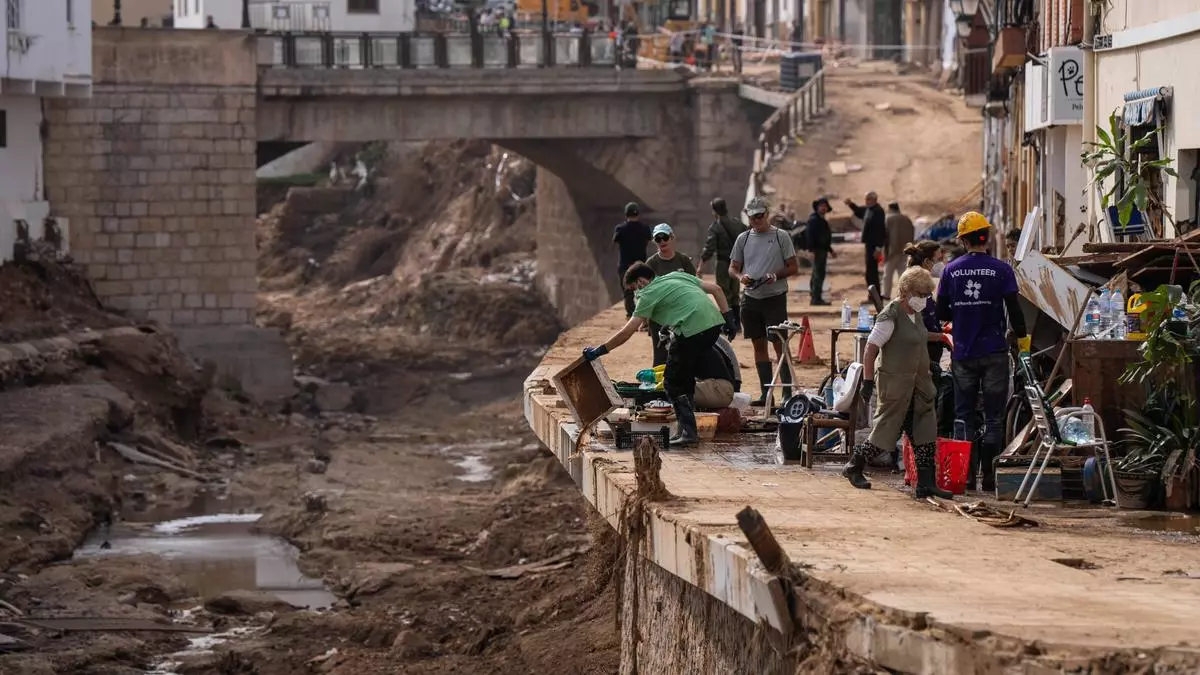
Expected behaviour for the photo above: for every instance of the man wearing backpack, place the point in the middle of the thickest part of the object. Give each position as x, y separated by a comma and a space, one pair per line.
722, 232
762, 259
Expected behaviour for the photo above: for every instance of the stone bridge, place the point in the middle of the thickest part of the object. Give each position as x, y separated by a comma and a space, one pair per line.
155, 173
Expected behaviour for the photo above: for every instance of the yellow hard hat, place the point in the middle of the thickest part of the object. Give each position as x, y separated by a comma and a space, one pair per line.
972, 221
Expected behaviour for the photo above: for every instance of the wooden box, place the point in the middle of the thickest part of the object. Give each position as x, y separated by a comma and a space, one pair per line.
1010, 471
587, 390
1096, 367
1009, 50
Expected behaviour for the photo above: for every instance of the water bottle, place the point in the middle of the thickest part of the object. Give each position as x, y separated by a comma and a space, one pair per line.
1105, 314
1091, 318
845, 313
1117, 302
1089, 419
864, 318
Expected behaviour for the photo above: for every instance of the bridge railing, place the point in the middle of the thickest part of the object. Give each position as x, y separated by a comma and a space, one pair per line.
434, 50
776, 134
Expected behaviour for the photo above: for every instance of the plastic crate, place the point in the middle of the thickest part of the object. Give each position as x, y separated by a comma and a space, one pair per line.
625, 439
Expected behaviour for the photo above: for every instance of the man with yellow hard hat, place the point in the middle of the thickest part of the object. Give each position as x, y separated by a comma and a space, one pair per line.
978, 293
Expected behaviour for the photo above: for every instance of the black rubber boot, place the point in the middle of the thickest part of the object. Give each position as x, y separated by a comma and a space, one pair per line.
785, 376
686, 418
987, 469
853, 470
925, 457
764, 378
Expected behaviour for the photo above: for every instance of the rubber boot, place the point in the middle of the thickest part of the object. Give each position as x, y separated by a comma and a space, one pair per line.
685, 416
853, 471
925, 457
785, 376
987, 470
764, 379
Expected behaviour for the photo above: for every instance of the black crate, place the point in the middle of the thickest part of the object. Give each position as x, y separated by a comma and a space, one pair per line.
625, 439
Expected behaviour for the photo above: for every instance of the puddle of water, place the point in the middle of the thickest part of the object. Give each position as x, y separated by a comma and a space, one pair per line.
217, 553
1164, 522
475, 470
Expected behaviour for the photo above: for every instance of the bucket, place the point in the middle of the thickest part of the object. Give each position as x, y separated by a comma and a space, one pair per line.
953, 464
706, 425
1134, 490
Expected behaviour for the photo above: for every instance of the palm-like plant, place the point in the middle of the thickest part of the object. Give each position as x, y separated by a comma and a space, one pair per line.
1118, 156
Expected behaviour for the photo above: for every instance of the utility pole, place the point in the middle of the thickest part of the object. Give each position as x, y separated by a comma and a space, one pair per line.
547, 44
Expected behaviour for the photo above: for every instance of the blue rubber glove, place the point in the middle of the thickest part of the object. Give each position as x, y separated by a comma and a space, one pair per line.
731, 324
593, 353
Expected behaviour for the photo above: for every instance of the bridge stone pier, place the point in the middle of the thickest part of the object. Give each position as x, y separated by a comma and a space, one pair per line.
155, 173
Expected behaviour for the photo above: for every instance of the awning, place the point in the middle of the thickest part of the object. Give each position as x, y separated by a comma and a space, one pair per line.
1143, 106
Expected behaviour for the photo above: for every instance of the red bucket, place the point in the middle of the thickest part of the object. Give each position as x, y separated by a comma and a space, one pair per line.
953, 461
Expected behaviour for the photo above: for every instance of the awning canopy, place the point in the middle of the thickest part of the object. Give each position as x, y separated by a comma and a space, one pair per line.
1144, 106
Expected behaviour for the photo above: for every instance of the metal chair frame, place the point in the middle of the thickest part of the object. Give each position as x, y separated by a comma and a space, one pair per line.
1049, 441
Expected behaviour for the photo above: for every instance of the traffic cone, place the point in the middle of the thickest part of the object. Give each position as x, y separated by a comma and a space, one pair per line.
806, 353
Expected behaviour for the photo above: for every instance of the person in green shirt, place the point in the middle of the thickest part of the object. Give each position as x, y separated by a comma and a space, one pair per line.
665, 261
679, 301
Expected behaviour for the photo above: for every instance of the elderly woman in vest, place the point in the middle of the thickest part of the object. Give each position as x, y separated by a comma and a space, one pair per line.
898, 358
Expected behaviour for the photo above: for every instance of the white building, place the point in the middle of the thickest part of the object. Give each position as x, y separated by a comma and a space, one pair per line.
1145, 68
338, 16
49, 55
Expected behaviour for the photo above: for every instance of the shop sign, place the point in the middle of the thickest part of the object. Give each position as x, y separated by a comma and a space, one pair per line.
1065, 86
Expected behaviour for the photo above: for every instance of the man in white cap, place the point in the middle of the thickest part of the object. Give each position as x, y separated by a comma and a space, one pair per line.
665, 261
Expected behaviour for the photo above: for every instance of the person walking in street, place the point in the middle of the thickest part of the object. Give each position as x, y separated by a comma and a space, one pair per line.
897, 358
928, 256
762, 259
900, 233
679, 301
874, 234
631, 237
976, 293
739, 36
665, 261
722, 232
819, 241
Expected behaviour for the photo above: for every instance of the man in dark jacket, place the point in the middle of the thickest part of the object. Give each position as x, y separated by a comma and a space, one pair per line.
631, 238
819, 241
722, 232
874, 233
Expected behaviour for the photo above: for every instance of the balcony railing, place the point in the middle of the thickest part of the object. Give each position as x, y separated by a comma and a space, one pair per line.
434, 50
290, 16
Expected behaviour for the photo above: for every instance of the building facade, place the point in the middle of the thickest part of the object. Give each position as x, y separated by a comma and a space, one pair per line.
1144, 70
48, 55
339, 16
151, 13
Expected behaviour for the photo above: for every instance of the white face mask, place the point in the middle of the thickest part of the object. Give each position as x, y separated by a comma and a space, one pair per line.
917, 304
937, 269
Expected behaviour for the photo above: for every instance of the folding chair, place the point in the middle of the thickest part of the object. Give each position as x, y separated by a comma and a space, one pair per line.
1049, 441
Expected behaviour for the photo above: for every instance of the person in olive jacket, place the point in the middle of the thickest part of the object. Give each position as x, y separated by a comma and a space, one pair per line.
818, 239
722, 232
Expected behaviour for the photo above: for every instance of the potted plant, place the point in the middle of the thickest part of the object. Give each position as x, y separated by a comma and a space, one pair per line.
1128, 182
1161, 441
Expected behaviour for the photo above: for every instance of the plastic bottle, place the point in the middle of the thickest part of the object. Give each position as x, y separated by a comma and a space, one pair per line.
845, 313
1117, 304
1105, 314
1091, 318
864, 318
1089, 418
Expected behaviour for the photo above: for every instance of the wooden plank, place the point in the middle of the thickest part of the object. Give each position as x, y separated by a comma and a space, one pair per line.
587, 391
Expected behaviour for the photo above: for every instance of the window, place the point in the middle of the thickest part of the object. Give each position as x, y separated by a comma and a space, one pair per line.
3, 128
13, 14
362, 6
